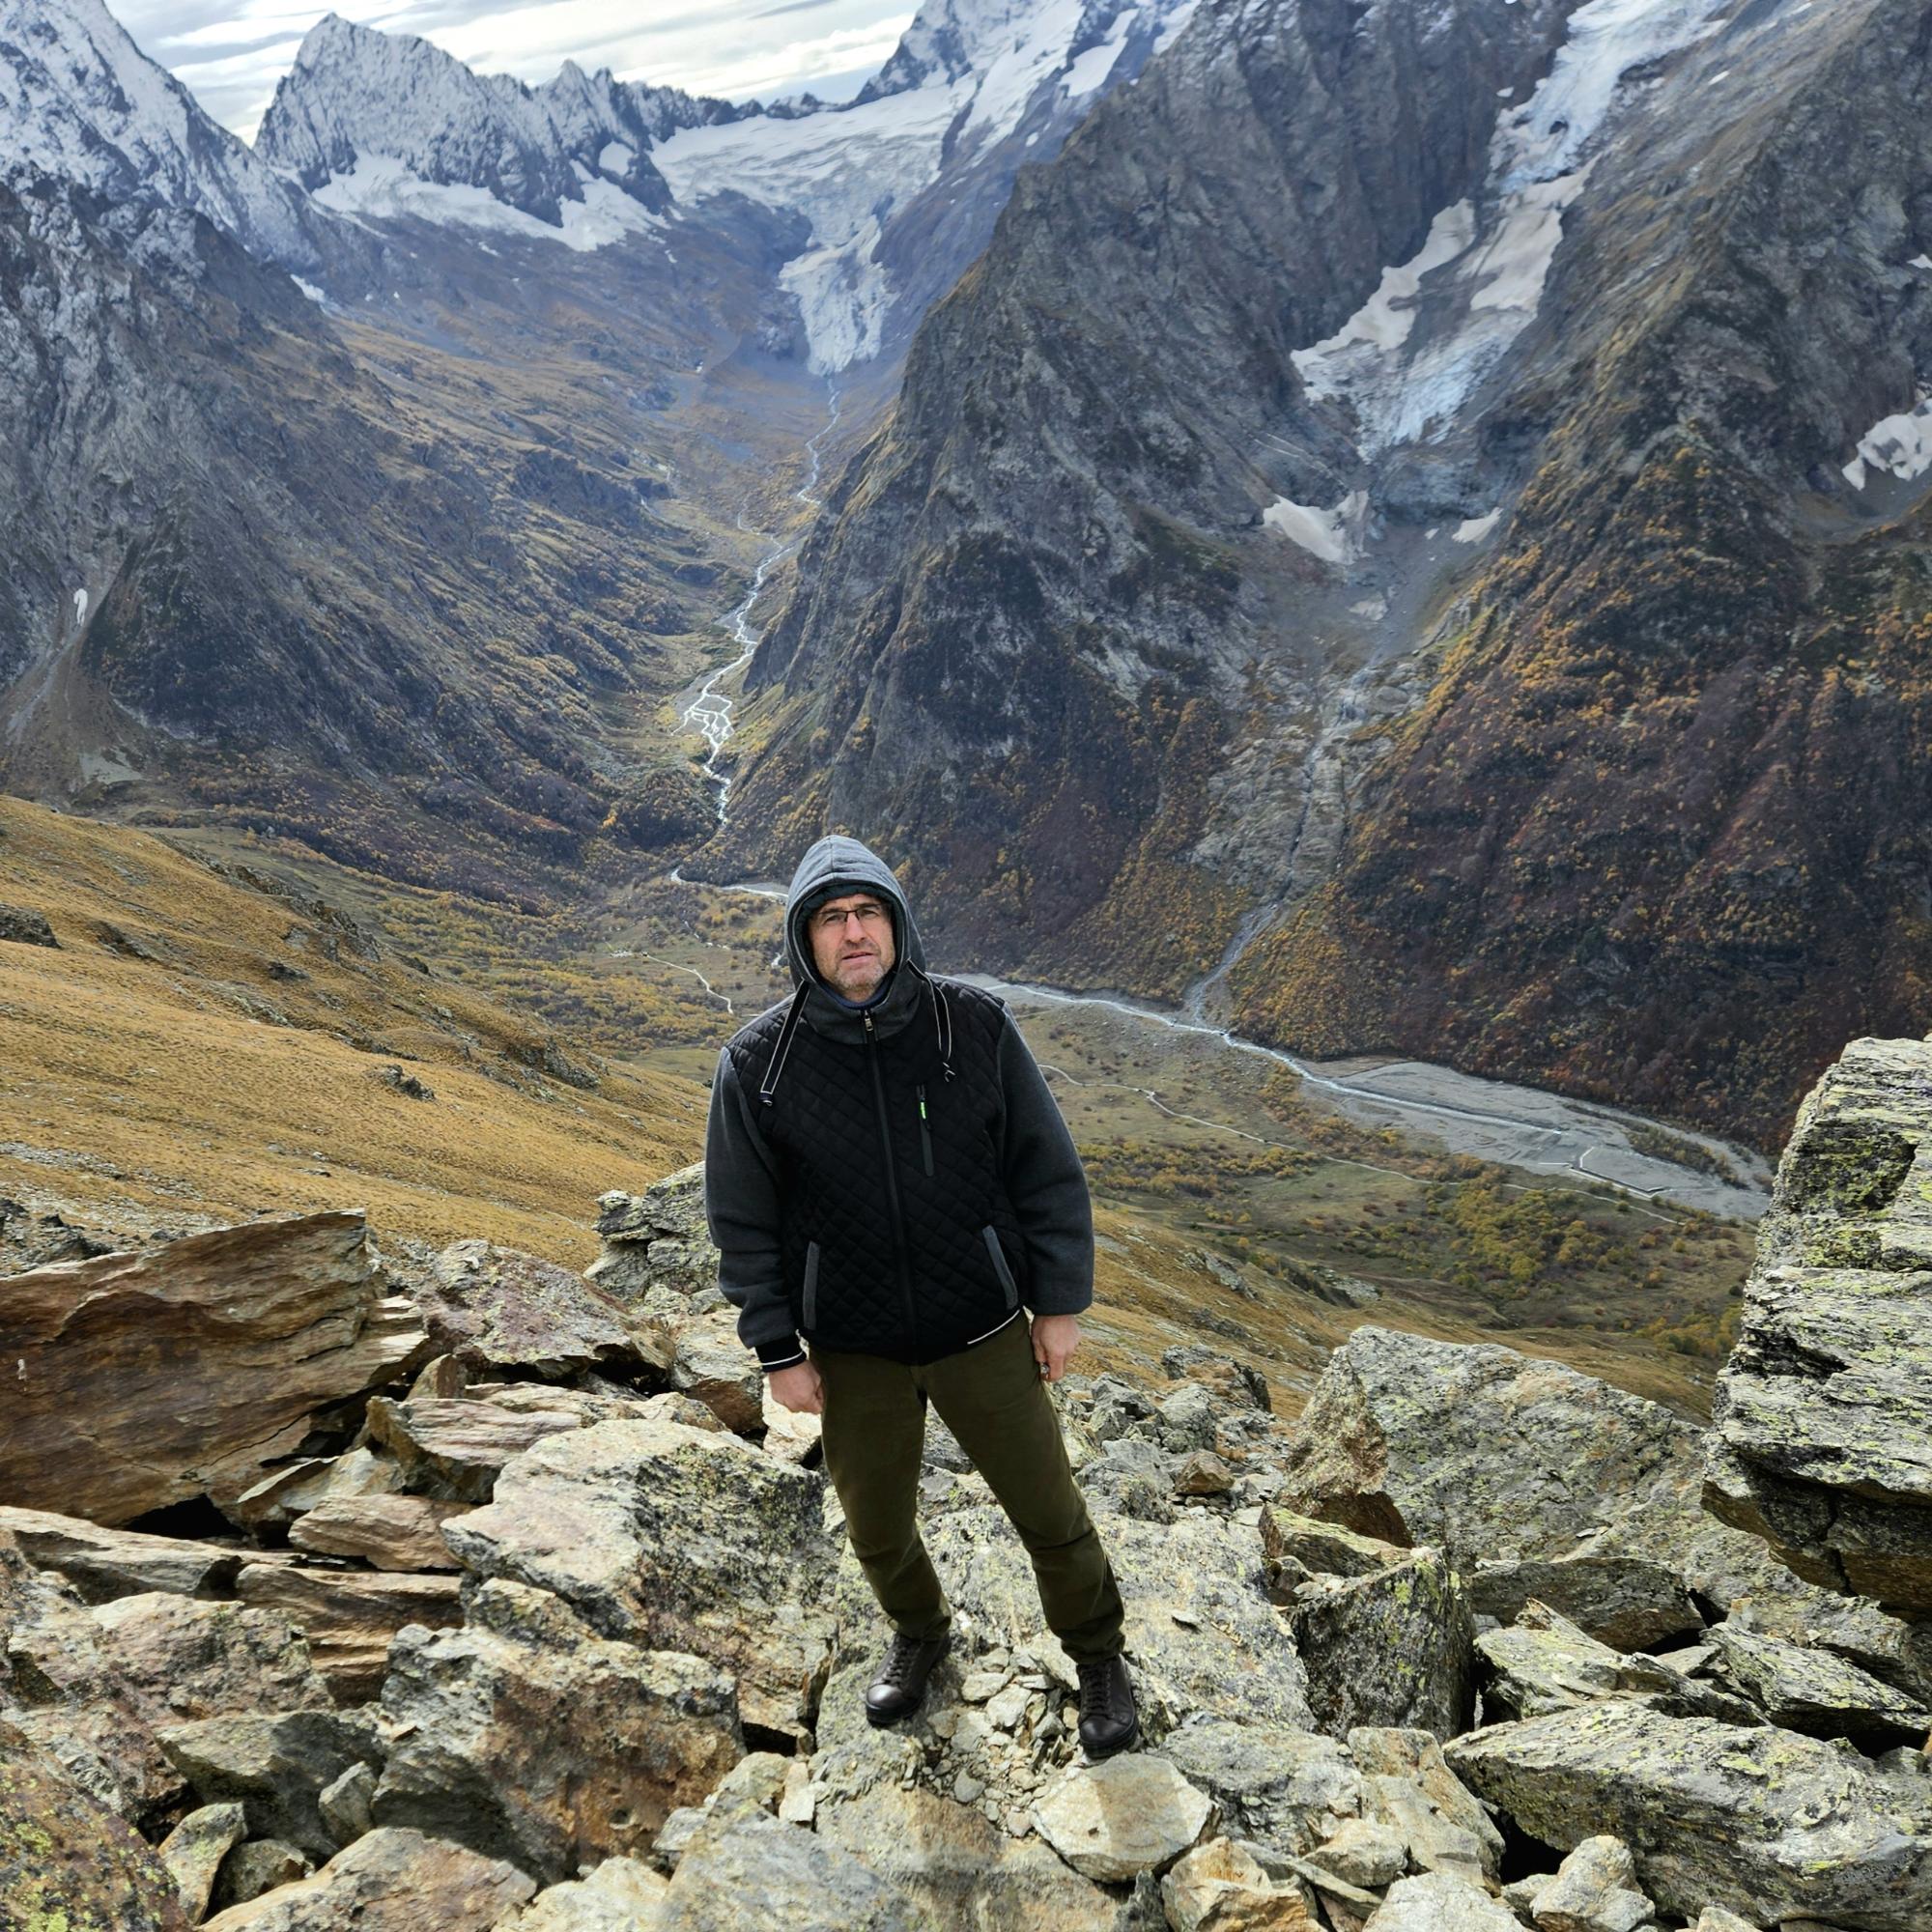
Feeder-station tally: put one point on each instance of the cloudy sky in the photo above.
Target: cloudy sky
(232, 53)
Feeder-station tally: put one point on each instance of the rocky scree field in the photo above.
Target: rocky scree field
(313, 1561)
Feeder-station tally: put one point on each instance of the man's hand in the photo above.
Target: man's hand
(1055, 1337)
(798, 1388)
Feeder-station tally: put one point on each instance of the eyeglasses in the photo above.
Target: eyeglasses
(830, 918)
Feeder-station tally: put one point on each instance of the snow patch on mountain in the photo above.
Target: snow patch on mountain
(967, 75)
(1901, 445)
(1401, 384)
(383, 188)
(80, 102)
(1334, 535)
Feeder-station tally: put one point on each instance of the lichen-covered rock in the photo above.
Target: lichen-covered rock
(275, 1765)
(1290, 1787)
(1325, 1549)
(528, 1736)
(203, 1660)
(1219, 1888)
(491, 1307)
(193, 1368)
(1768, 1823)
(672, 1538)
(392, 1881)
(947, 1857)
(1409, 1786)
(1125, 1815)
(1364, 1853)
(621, 1895)
(194, 1852)
(1814, 1691)
(1594, 1889)
(1822, 1437)
(658, 1238)
(1543, 1663)
(256, 1867)
(1628, 1602)
(1390, 1648)
(1438, 1901)
(350, 1617)
(64, 1700)
(710, 1363)
(757, 1870)
(1482, 1451)
(68, 1862)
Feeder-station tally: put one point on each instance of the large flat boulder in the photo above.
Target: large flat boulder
(1815, 1691)
(102, 1563)
(1767, 1823)
(1821, 1435)
(672, 1538)
(494, 1748)
(1483, 1451)
(966, 1870)
(388, 1532)
(140, 1380)
(202, 1660)
(758, 1870)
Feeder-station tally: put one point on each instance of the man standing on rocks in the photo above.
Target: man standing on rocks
(887, 1176)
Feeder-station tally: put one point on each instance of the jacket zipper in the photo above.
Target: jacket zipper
(892, 1185)
(925, 1131)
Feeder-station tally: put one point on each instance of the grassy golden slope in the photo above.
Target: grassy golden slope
(196, 1083)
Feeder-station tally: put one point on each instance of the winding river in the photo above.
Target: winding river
(1493, 1120)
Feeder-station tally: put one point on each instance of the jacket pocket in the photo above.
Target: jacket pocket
(990, 1235)
(809, 1314)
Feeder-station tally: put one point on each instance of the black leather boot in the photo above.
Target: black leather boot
(899, 1688)
(1108, 1720)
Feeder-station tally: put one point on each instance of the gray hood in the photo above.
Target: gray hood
(836, 860)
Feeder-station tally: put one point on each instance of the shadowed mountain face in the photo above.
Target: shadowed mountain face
(1481, 546)
(271, 567)
(1659, 829)
(1047, 605)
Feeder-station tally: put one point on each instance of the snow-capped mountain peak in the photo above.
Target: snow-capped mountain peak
(360, 102)
(80, 102)
(974, 88)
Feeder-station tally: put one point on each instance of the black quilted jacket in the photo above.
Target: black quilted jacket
(894, 1178)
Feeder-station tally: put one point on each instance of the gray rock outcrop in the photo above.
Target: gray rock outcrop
(1822, 1438)
(1763, 1821)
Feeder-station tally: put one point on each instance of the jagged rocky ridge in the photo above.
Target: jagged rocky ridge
(1491, 534)
(354, 94)
(1460, 1649)
(81, 103)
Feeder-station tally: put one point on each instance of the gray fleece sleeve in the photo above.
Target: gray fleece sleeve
(740, 1207)
(1045, 1182)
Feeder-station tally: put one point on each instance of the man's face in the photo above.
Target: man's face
(852, 943)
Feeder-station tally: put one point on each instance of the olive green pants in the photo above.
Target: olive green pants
(996, 1405)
